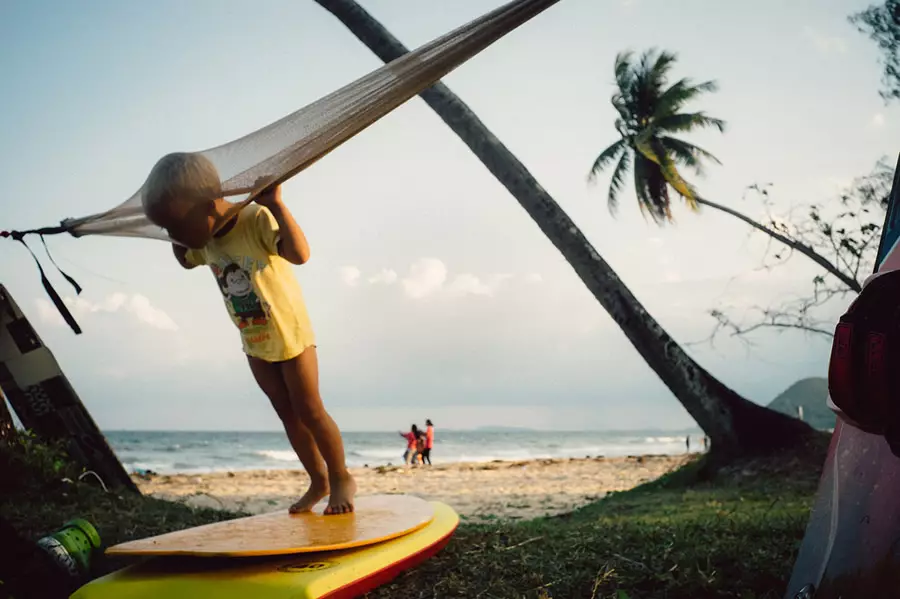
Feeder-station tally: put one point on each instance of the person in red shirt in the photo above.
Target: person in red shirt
(429, 442)
(411, 438)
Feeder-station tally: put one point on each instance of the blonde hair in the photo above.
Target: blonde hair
(180, 177)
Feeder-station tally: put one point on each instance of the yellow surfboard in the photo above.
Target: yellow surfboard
(376, 518)
(325, 574)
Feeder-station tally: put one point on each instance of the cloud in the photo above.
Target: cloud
(672, 276)
(878, 120)
(140, 307)
(135, 305)
(430, 276)
(48, 314)
(386, 276)
(426, 276)
(469, 284)
(350, 275)
(825, 44)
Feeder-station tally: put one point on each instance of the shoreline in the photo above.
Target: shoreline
(478, 491)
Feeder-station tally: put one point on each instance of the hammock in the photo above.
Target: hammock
(277, 152)
(282, 149)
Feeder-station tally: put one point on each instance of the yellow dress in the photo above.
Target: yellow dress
(261, 293)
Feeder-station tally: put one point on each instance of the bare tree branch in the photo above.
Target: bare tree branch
(797, 314)
(841, 237)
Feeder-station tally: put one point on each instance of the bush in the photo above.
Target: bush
(29, 462)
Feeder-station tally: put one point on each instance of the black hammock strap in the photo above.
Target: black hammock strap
(48, 287)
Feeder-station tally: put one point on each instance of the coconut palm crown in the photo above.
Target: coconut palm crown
(650, 115)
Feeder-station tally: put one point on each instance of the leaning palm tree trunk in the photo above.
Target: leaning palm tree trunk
(795, 245)
(734, 424)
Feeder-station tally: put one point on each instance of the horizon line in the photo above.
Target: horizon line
(460, 430)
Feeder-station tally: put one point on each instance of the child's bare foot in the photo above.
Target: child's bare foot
(343, 488)
(316, 491)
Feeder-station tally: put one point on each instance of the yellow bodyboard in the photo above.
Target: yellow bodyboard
(322, 575)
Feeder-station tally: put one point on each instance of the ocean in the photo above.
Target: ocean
(198, 452)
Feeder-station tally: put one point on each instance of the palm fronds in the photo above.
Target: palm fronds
(605, 157)
(617, 181)
(687, 154)
(687, 121)
(650, 111)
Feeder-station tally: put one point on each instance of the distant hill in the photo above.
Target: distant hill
(810, 393)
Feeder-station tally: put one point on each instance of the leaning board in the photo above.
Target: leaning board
(324, 575)
(376, 518)
(44, 400)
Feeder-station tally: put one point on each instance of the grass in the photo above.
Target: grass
(41, 492)
(735, 535)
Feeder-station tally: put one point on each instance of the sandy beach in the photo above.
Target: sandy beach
(477, 491)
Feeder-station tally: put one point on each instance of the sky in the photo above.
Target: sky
(432, 293)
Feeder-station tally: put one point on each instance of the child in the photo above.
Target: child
(411, 438)
(251, 256)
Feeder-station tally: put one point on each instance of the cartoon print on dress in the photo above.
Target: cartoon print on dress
(238, 289)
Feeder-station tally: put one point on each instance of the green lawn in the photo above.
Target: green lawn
(733, 536)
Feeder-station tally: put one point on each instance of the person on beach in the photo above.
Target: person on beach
(420, 448)
(250, 256)
(411, 438)
(429, 442)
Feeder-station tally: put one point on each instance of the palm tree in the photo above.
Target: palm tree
(650, 115)
(733, 424)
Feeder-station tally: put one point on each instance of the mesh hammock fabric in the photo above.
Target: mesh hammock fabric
(271, 155)
(277, 152)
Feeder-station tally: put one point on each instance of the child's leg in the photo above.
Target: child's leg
(301, 375)
(271, 381)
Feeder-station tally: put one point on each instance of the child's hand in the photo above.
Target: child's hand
(270, 197)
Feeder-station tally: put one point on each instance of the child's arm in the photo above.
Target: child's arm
(292, 245)
(181, 255)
